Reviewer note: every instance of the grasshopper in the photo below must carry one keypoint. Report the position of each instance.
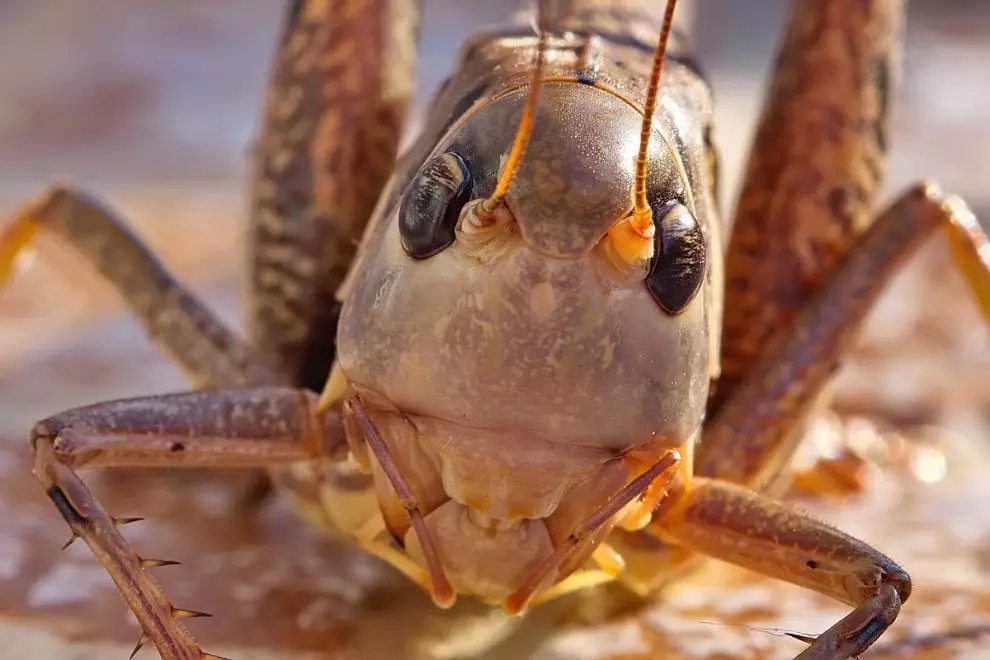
(517, 361)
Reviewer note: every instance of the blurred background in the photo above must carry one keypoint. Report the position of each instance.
(155, 106)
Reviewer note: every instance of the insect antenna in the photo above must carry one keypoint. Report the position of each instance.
(525, 129)
(642, 215)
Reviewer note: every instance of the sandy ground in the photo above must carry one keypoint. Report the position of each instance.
(156, 107)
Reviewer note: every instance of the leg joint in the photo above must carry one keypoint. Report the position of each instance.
(897, 578)
(42, 432)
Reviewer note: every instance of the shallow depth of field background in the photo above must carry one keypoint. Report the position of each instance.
(154, 106)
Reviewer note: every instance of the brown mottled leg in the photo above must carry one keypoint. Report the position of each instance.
(734, 524)
(748, 439)
(343, 78)
(814, 172)
(209, 353)
(251, 427)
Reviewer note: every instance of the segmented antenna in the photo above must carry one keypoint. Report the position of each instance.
(642, 216)
(525, 129)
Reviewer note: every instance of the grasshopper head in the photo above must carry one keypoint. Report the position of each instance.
(530, 345)
(551, 313)
(529, 328)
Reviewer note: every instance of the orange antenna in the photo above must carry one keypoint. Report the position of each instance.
(642, 216)
(528, 117)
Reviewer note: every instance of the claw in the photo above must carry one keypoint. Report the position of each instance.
(155, 563)
(141, 642)
(72, 539)
(119, 522)
(180, 613)
(810, 639)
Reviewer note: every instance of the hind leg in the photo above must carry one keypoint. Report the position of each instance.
(343, 79)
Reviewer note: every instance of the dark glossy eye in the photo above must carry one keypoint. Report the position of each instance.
(678, 267)
(432, 204)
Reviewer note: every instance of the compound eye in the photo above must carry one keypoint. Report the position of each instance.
(679, 261)
(432, 204)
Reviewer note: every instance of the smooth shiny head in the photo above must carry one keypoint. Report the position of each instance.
(574, 184)
(522, 350)
(530, 318)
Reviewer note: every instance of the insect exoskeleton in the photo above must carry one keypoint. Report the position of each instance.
(526, 358)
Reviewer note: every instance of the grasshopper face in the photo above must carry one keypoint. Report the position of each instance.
(515, 359)
(532, 322)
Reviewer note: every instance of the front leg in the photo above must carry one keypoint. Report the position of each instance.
(732, 523)
(256, 427)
